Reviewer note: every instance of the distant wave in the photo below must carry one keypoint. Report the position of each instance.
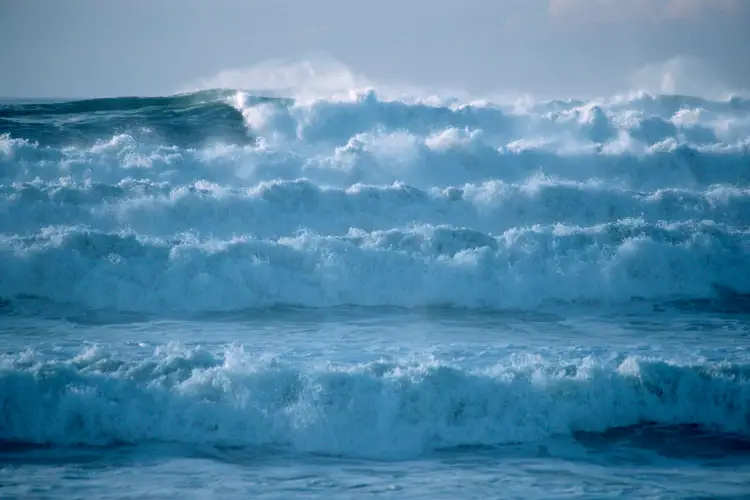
(224, 199)
(380, 409)
(185, 120)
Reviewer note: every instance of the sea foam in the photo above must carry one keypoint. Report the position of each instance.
(225, 200)
(383, 409)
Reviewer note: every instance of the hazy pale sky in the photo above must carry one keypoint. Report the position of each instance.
(86, 48)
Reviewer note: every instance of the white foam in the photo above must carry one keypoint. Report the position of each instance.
(376, 200)
(418, 266)
(384, 409)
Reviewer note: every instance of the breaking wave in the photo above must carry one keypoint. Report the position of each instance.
(223, 200)
(384, 409)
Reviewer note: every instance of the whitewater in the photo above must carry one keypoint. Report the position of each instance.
(233, 293)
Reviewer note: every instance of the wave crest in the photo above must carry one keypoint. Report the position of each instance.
(422, 266)
(378, 409)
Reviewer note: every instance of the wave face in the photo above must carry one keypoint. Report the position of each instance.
(197, 397)
(221, 200)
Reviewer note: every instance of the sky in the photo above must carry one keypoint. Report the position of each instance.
(546, 48)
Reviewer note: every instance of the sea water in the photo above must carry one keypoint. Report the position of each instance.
(227, 294)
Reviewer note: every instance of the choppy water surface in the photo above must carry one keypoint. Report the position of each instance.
(225, 295)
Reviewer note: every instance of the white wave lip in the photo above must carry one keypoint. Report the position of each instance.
(379, 409)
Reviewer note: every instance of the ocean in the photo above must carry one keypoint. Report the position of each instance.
(236, 294)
